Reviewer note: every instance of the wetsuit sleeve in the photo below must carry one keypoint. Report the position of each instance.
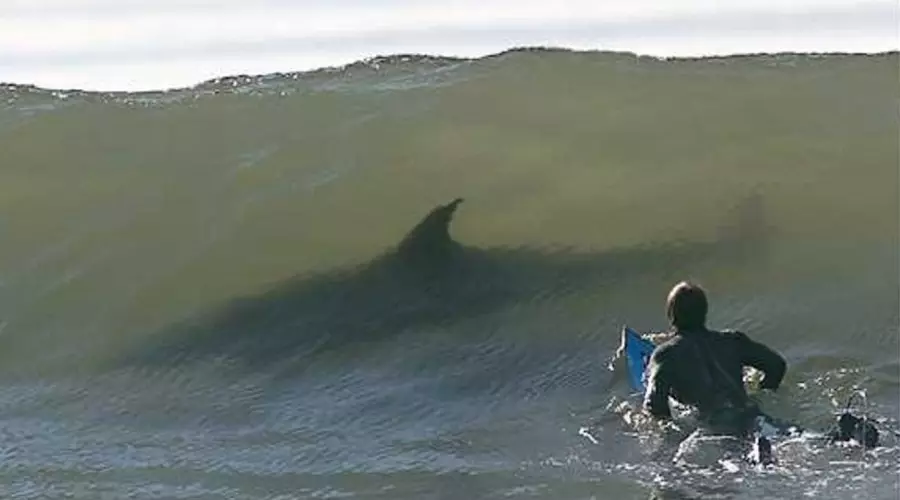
(656, 397)
(764, 359)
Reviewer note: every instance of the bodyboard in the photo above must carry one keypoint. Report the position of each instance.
(637, 356)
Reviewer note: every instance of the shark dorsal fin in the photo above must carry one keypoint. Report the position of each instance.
(432, 234)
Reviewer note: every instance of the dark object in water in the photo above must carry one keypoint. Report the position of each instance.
(859, 429)
(762, 451)
(764, 454)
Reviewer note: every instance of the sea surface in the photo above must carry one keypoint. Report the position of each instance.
(218, 291)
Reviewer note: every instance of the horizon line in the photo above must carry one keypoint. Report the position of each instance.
(422, 55)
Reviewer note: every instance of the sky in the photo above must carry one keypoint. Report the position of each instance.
(156, 44)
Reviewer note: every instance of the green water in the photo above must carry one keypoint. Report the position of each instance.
(122, 213)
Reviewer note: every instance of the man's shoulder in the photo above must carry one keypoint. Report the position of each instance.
(673, 342)
(667, 345)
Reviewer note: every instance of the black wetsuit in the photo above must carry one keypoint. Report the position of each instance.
(704, 369)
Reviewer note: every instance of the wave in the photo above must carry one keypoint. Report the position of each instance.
(124, 213)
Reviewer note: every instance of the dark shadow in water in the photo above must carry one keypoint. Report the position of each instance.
(428, 280)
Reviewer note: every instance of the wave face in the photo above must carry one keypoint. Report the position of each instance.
(261, 286)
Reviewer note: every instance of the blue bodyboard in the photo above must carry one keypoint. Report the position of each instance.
(637, 355)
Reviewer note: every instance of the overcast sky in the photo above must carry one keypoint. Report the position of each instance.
(152, 44)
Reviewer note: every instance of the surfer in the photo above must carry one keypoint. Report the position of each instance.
(703, 368)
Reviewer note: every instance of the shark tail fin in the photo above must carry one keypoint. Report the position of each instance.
(747, 223)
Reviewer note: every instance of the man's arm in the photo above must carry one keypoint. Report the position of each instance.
(763, 359)
(656, 397)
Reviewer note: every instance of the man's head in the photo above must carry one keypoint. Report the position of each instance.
(686, 306)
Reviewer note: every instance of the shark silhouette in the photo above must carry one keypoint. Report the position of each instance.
(428, 279)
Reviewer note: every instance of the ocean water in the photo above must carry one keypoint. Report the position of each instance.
(249, 289)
